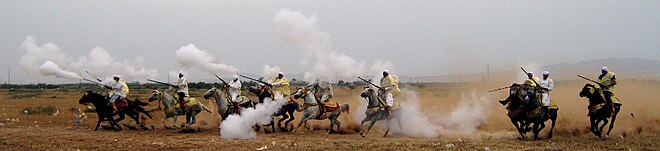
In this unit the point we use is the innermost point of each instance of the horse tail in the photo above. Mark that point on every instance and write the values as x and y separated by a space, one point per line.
345 108
207 109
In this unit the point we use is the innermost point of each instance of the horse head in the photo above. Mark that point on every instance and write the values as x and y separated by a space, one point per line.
210 93
85 99
90 97
155 95
367 92
300 93
588 90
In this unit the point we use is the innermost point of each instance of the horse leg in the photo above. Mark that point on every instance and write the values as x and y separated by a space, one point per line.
616 112
387 130
600 129
537 128
373 121
279 122
553 119
303 120
291 118
332 124
98 123
519 128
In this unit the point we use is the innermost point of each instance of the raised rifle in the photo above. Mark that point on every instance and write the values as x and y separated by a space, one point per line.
365 80
163 83
599 84
99 83
223 81
97 79
530 78
253 79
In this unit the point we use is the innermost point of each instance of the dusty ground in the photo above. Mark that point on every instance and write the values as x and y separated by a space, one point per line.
21 131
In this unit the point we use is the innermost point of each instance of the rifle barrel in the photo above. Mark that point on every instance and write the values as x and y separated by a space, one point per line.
369 82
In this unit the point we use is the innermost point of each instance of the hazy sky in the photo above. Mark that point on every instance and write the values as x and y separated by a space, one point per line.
418 37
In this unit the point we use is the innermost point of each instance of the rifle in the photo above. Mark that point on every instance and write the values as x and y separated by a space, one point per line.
599 84
97 79
502 88
530 78
380 88
253 79
223 81
163 83
99 83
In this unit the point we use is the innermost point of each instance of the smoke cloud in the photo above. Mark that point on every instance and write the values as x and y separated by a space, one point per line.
470 113
190 56
415 123
304 32
269 72
49 68
47 60
240 126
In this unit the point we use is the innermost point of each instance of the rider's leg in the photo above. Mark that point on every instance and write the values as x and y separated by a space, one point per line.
112 101
182 101
390 102
608 100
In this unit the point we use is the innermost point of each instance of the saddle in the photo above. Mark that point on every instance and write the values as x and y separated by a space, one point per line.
121 103
189 101
330 105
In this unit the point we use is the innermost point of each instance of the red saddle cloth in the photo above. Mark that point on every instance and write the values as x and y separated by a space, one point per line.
121 103
331 109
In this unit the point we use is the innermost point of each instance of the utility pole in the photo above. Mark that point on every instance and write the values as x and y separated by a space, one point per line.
487 71
9 76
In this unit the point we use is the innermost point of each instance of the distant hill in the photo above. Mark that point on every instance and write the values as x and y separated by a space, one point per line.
625 68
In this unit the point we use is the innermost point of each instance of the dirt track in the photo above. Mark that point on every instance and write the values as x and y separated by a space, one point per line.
47 132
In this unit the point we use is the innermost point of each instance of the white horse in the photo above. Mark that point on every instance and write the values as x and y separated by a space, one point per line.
312 109
225 108
171 112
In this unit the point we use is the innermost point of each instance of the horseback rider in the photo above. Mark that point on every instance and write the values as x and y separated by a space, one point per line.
118 89
280 87
607 81
530 77
389 89
324 91
235 90
182 90
546 86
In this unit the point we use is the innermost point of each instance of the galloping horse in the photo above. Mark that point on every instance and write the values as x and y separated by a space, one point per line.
225 108
598 109
312 109
172 112
536 115
376 111
286 111
514 106
104 111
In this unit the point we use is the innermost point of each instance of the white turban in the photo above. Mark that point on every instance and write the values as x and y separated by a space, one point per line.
386 71
604 69
235 77
282 73
116 76
546 73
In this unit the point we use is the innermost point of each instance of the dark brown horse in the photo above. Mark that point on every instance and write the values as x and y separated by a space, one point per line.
599 111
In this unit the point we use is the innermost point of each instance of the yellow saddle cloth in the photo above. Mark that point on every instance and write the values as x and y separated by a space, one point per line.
189 101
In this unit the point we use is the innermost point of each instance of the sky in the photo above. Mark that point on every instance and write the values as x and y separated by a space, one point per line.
418 38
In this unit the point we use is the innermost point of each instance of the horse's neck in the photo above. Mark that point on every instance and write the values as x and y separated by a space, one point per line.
310 98
373 100
596 98
167 99
220 99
